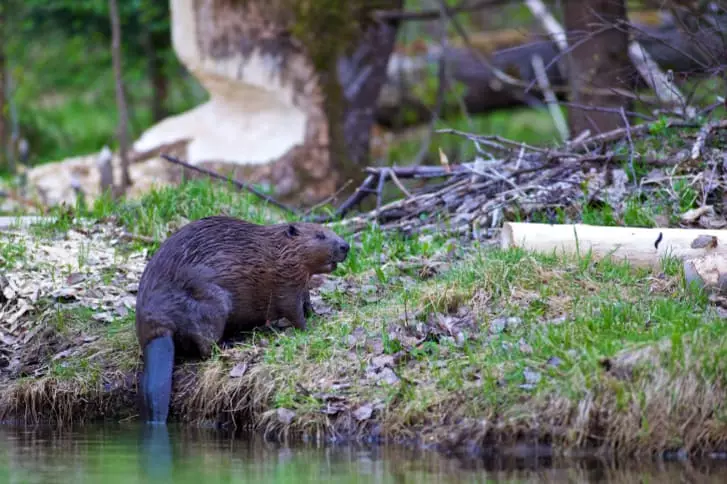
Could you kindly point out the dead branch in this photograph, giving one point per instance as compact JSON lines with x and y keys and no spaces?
{"x":550,"y":99}
{"x":698,"y":146}
{"x":441,"y":81}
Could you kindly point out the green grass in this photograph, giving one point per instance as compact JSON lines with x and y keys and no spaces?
{"x":65,"y":95}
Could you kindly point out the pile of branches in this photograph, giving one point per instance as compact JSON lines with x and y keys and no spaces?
{"x":513,"y":180}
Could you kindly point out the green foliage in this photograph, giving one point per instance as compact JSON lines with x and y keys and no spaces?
{"x":59,"y":58}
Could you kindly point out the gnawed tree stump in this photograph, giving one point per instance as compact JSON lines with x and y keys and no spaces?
{"x":293,"y":86}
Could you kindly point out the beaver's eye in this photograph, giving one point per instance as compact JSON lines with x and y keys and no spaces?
{"x":320,"y":236}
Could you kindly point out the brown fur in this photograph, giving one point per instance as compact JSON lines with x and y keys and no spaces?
{"x":219,"y":275}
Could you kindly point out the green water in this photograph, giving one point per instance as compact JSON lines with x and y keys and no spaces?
{"x":136,"y":454}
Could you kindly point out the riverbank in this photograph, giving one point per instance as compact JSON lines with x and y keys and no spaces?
{"x":428,"y":340}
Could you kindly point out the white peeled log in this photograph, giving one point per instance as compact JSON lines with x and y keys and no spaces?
{"x":703,"y":252}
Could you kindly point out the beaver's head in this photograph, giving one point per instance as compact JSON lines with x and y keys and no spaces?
{"x":320,"y":248}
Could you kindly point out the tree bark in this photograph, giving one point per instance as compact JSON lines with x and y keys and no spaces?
{"x":4,"y":158}
{"x":597,"y":60}
{"x":154,"y":45}
{"x":123,"y":127}
{"x":293,"y":89}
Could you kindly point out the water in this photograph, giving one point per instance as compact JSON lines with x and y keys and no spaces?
{"x":140,"y":454}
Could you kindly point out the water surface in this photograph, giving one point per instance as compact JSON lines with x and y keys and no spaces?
{"x":141,"y":454}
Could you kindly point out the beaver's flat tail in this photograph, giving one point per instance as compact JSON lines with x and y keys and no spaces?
{"x":157,"y":378}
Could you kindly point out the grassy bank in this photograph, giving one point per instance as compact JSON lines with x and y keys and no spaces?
{"x":445,"y":342}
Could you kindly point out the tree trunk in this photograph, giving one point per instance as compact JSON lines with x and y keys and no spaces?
{"x":293,"y":88}
{"x":153,"y":46}
{"x":4,"y":125}
{"x":601,"y":61}
{"x":120,"y":98}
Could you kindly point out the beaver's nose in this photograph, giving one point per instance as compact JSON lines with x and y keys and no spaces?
{"x":344,"y":247}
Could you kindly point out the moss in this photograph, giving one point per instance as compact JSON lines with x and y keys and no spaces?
{"x":328,"y":27}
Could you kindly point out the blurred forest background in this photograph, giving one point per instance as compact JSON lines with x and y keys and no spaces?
{"x":59,"y":82}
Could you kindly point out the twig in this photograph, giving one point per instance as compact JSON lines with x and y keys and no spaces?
{"x":240,"y":185}
{"x":550,"y":99}
{"x":702,"y":137}
{"x":137,"y":238}
{"x":327,"y":199}
{"x":356,"y":197}
{"x":412,"y":171}
{"x":605,"y":110}
{"x":487,"y":139}
{"x":551,"y":25}
{"x":631,"y":143}
{"x":619,"y":133}
{"x":441,"y":80}
{"x":379,"y":191}
{"x":398,"y":183}
{"x":666,"y":91}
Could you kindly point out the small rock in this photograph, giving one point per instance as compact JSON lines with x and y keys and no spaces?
{"x":121,"y":310}
{"x":363,"y":412}
{"x":384,"y":374}
{"x":691,"y":275}
{"x":525,"y":347}
{"x":133,"y":287}
{"x":554,"y":361}
{"x":502,"y":324}
{"x":531,"y":377}
{"x":704,"y":241}
{"x":105,"y":317}
{"x":382,"y":361}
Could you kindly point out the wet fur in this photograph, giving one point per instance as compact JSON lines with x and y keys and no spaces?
{"x":219,"y":275}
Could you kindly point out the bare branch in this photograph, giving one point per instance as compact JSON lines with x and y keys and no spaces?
{"x":240,"y":185}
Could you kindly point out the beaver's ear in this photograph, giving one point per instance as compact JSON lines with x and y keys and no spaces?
{"x":292,"y":230}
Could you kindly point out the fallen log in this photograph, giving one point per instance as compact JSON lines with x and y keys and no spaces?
{"x":397,"y":108}
{"x":703,"y":252}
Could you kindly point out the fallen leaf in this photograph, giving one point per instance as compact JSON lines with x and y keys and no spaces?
{"x":444,"y":160}
{"x":690,"y":216}
{"x":238,"y":370}
{"x":75,"y":278}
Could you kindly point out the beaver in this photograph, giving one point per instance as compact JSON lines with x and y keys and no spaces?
{"x":220,"y":275}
